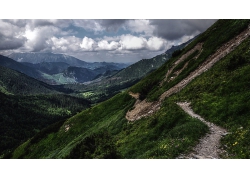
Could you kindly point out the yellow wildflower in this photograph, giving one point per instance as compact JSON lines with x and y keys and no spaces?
{"x":235,"y":143}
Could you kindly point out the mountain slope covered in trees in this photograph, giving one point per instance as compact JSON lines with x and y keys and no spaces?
{"x":14,"y":82}
{"x":10,"y":63}
{"x":28,"y":105}
{"x":23,"y":116}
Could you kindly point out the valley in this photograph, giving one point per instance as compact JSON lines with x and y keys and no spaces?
{"x":96,"y":81}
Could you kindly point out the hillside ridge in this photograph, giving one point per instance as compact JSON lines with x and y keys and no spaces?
{"x":144,"y":108}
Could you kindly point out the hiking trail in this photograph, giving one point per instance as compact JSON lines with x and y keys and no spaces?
{"x":209,"y":145}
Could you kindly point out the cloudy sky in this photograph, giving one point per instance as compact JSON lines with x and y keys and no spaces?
{"x":116,"y":40}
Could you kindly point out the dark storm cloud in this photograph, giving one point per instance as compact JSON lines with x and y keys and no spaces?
{"x":112,"y":25}
{"x":171,"y":29}
{"x":16,"y":22}
{"x":36,"y":23}
{"x":39,"y":46}
{"x":42,"y":22}
{"x":10,"y":43}
{"x":60,"y":23}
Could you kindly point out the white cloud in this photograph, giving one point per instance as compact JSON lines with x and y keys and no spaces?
{"x":87,"y":44}
{"x":156,"y":44}
{"x":108,"y":38}
{"x":130,"y":42}
{"x":37,"y":38}
{"x":64,"y":44}
{"x":121,"y":44}
{"x":31,"y":35}
{"x":105,"y":45}
{"x":124,"y":44}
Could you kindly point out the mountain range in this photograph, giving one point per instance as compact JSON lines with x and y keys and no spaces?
{"x":36,"y":58}
{"x":53,"y":68}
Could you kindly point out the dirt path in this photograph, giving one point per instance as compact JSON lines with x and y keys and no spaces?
{"x":182,"y":58}
{"x":208,"y":148}
{"x":144,"y":108}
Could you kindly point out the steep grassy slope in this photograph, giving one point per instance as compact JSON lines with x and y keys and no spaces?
{"x":220,"y":94}
{"x":164,"y":135}
{"x":145,"y":66}
{"x":219,"y":33}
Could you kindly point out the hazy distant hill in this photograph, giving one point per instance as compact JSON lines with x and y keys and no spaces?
{"x":36,"y":58}
{"x":53,"y":68}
